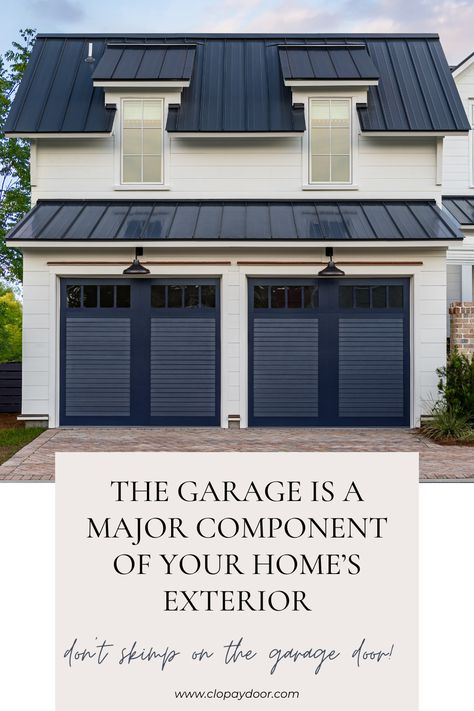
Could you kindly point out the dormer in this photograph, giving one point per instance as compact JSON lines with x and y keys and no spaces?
{"x":312,"y":67}
{"x":331,"y":81}
{"x":150,"y":65}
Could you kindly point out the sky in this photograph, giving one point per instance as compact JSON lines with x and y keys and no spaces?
{"x":452,"y":19}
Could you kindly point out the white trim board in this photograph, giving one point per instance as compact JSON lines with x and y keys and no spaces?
{"x":192,"y":244}
{"x":59,"y":134}
{"x":141,"y":84}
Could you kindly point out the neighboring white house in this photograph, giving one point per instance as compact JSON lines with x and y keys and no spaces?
{"x":231,"y":167}
{"x":458,"y":190}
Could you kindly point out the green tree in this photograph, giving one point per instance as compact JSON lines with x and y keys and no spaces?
{"x":10,"y":326}
{"x":14,"y":156}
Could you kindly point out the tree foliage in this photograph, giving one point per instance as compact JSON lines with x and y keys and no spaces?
{"x":14,"y":156}
{"x":10,"y":326}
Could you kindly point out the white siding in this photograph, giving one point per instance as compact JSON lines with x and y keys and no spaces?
{"x":41,"y":342}
{"x":36,"y":336}
{"x":236,"y":168}
{"x":457,"y":176}
{"x":458,"y":180}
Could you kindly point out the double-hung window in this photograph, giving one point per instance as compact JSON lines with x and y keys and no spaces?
{"x":330,"y":141}
{"x":142,"y":141}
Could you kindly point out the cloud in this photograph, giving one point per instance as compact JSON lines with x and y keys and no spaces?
{"x":61,"y":10}
{"x":452,"y":19}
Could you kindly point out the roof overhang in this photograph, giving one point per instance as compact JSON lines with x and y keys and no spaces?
{"x":413,"y":134}
{"x":60,"y":134}
{"x":237,"y":222}
{"x":234,"y":134}
{"x":267,"y":244}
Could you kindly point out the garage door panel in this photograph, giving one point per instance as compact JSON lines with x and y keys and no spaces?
{"x":97,"y":366}
{"x":285,"y":369}
{"x":371,"y":367}
{"x":157,"y":365}
{"x":357,"y":371}
{"x":183,"y":373}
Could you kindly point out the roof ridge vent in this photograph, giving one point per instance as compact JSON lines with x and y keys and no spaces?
{"x":90,"y":57}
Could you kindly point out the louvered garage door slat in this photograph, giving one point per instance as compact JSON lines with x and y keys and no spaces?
{"x":371,"y":367}
{"x":285,"y":367}
{"x":97,"y":367}
{"x":183,"y":367}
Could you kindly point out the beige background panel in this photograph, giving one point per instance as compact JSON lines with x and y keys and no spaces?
{"x":379,"y":604}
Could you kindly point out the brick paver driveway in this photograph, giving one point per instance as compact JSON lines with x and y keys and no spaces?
{"x":36,"y":460}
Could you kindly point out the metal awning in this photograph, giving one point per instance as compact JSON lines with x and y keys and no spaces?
{"x":461,"y":208}
{"x":145,"y":62}
{"x":141,"y":220}
{"x":326,"y":62}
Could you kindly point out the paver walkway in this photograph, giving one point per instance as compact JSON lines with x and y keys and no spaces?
{"x":35,"y":462}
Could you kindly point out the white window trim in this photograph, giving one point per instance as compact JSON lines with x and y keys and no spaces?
{"x":306,"y":145}
{"x":118,"y":154}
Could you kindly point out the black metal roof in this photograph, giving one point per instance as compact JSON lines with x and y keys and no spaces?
{"x":145,"y":62}
{"x":327,"y":62}
{"x":141,"y":220}
{"x":237,"y":85}
{"x":461,"y":208}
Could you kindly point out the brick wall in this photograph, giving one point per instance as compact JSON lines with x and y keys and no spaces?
{"x":462,"y":326}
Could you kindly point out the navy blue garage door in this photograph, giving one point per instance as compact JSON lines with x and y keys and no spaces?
{"x":329,"y":352}
{"x":140,"y":352}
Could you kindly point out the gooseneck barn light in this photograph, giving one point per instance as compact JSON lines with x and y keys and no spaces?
{"x":331,"y":270}
{"x":136,"y":268}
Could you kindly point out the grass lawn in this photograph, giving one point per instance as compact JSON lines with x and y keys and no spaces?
{"x":11,"y":440}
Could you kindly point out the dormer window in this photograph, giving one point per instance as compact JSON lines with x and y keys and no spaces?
{"x":142,"y":141}
{"x":330,"y":141}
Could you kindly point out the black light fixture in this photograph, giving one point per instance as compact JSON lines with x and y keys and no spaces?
{"x":331,"y":270}
{"x":136,"y":268}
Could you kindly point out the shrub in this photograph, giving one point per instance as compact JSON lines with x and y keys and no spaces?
{"x":448,"y":424}
{"x":456,"y":386}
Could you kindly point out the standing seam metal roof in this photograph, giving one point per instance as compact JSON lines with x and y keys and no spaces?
{"x":146,"y":62}
{"x":327,"y":62}
{"x":461,"y":208}
{"x":237,"y":85}
{"x":141,"y":220}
